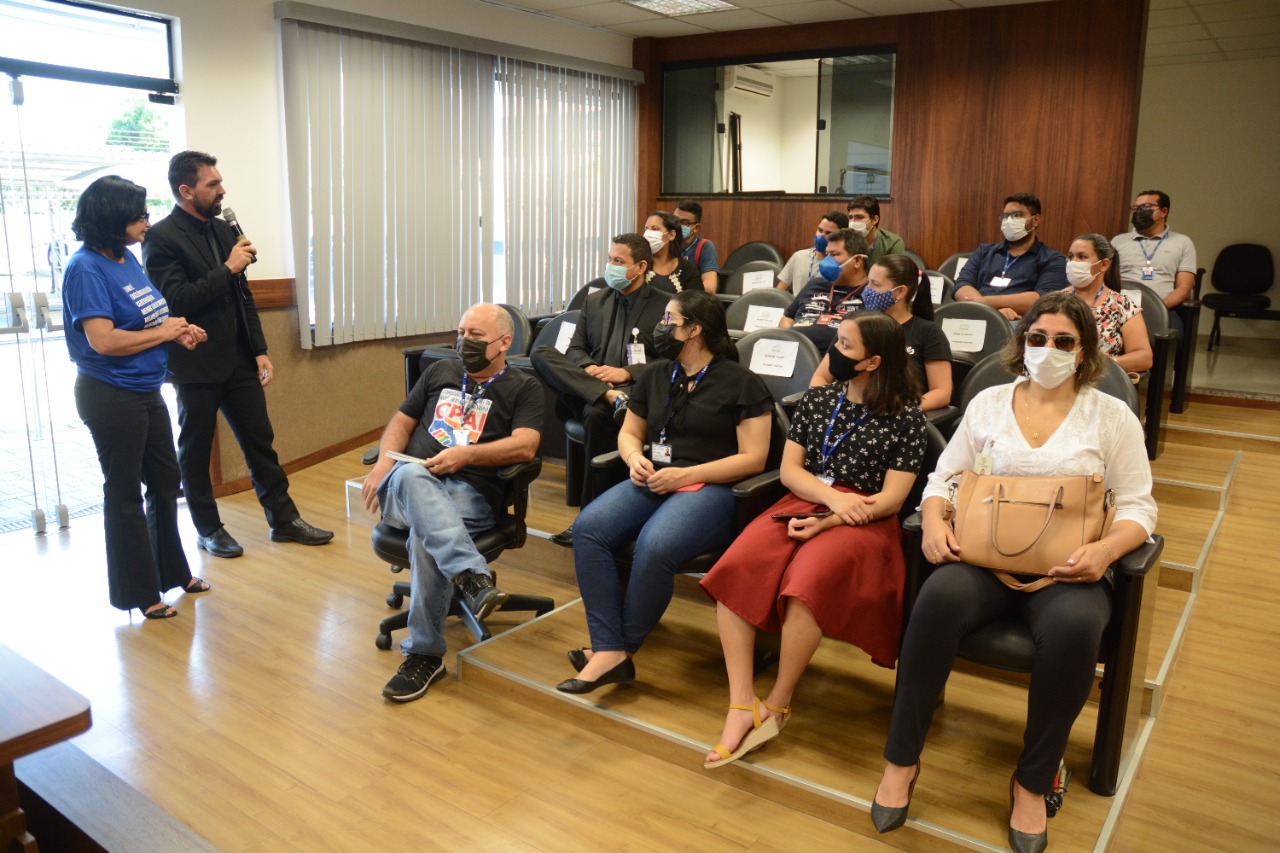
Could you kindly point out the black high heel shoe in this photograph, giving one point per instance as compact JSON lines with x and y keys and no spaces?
{"x":1024,"y":842}
{"x":620,"y":674}
{"x":886,"y":818}
{"x":578,"y":659}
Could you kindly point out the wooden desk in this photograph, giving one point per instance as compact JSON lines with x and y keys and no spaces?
{"x":36,"y":710}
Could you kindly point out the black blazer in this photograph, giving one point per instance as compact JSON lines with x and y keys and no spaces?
{"x":200,"y":288}
{"x":592,"y":332}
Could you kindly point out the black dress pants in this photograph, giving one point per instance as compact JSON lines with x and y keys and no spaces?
{"x":134,"y":441}
{"x":582,"y":395}
{"x":1066,"y":622}
{"x":243,"y":403}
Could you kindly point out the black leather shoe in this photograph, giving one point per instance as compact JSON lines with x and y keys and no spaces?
{"x":1025,"y":842}
{"x":886,"y":818}
{"x":564,"y":538}
{"x":220,"y":544}
{"x":578,"y":659}
{"x":620,"y":404}
{"x":620,"y":674}
{"x":301,"y":532}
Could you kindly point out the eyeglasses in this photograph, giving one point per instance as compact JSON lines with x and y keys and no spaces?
{"x":1064,"y":342}
{"x":146,"y":217}
{"x":1138,"y":207}
{"x":669,"y":319}
{"x":1013,"y":214}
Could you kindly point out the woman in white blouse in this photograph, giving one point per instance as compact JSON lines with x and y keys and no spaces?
{"x":1052,"y":423}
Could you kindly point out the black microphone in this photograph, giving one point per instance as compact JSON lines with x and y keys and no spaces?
{"x":229,"y":216}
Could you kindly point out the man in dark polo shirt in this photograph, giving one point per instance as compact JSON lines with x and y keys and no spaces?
{"x":835,"y":292}
{"x":1011,"y":275}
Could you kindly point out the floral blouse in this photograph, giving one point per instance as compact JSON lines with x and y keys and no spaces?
{"x":1112,"y":311}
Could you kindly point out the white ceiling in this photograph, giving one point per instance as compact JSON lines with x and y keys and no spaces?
{"x":1179,"y":31}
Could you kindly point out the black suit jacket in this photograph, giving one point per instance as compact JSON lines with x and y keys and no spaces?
{"x":199,"y":287}
{"x":592,"y":331}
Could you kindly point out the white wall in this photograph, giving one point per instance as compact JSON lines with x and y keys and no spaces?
{"x":230,"y":82}
{"x":1207,"y":136}
{"x":799,"y":133}
{"x":761,"y":138}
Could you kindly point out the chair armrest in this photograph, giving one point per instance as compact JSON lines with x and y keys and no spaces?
{"x":606,"y":460}
{"x":757,"y":485}
{"x":527,"y":471}
{"x":913,"y":523}
{"x":792,"y":400}
{"x":1140,"y":560}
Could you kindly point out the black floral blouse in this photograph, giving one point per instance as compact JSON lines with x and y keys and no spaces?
{"x":878,"y":443}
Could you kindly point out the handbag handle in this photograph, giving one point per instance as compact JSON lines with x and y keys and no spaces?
{"x":995,"y":521}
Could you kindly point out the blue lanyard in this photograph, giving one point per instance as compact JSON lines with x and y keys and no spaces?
{"x":469,"y":403}
{"x":1142,"y":245}
{"x":1009,"y":260}
{"x":671,"y":391}
{"x":827,"y":447}
{"x":1096,"y":297}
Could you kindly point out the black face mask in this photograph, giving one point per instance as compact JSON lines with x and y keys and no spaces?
{"x":1143,"y":219}
{"x":665,"y":343}
{"x":841,"y":366}
{"x":474,"y":354}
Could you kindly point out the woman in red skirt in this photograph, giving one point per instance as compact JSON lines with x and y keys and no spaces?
{"x":835,"y":566}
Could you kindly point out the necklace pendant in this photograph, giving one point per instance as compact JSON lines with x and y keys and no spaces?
{"x":1035,"y":436}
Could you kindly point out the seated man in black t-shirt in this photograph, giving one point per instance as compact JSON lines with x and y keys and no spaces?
{"x":466,"y":421}
{"x":835,"y":292}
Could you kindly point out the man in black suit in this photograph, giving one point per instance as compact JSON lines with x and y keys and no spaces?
{"x":611,"y":345}
{"x":198,"y":263}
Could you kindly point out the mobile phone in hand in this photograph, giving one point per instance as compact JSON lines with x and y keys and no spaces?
{"x":787,"y":516}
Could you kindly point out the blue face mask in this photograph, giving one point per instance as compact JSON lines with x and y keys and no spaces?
{"x":876,"y":300}
{"x":819,"y":243}
{"x":686,"y":231}
{"x":829,"y":269}
{"x":616,"y":277}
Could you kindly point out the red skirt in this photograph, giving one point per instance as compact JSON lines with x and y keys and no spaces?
{"x":850,"y":577}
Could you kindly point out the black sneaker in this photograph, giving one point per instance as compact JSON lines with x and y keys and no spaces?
{"x":413,"y":678}
{"x":481,"y":595}
{"x":620,"y":403}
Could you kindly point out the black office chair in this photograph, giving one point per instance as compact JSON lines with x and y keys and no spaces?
{"x":1007,"y":644}
{"x":1242,"y":274}
{"x":580,"y":298}
{"x":1164,"y":344}
{"x":559,"y":418}
{"x":756,"y":250}
{"x":738,"y":311}
{"x":731,"y":285}
{"x":948,"y":267}
{"x":391,"y":546}
{"x":997,"y":330}
{"x":941,"y":288}
{"x":919,"y":261}
{"x":1185,"y":359}
{"x":807,"y":360}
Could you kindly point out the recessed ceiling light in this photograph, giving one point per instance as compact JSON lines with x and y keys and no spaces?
{"x":676,"y":8}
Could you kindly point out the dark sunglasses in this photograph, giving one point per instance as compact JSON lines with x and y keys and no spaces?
{"x":1064,"y":342}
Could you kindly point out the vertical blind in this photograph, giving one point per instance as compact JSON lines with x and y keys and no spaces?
{"x":425,"y":178}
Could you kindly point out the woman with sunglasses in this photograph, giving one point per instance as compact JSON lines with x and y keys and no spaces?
{"x":1052,"y":422}
{"x":698,"y":421}
{"x":827,"y":558}
{"x":1094,"y":274}
{"x":894,"y":287}
{"x":669,"y":271}
{"x":118,"y":325}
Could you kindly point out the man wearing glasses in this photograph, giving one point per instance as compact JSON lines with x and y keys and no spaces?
{"x":1151,"y":254}
{"x":1011,"y":275}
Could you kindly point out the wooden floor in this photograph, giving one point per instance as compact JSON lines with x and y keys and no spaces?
{"x":255,"y":716}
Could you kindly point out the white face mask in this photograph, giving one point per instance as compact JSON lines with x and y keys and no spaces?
{"x":1049,"y":367}
{"x":859,"y":226}
{"x":1014,"y":228}
{"x":655,"y":239}
{"x":1080,"y":273}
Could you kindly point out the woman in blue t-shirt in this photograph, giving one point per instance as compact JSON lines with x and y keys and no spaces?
{"x":117,"y":331}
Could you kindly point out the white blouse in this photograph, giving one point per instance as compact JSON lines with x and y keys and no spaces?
{"x":1099,"y":435}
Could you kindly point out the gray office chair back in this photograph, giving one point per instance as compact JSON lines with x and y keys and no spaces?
{"x":580,"y":298}
{"x":522,"y":330}
{"x":807,"y":359}
{"x":940,"y":287}
{"x":733,"y":285}
{"x":1154,"y":311}
{"x":949,"y":265}
{"x":913,"y":256}
{"x":756,"y":250}
{"x":736,"y":313}
{"x":996,"y":332}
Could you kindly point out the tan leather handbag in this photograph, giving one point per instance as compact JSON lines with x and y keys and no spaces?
{"x":1028,"y":525}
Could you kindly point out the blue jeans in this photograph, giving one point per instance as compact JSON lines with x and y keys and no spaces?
{"x":668,"y":531}
{"x":440,"y":515}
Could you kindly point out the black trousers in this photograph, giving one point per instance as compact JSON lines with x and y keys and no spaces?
{"x":134,"y":441}
{"x":582,"y":395}
{"x":1066,"y":622}
{"x":243,"y":403}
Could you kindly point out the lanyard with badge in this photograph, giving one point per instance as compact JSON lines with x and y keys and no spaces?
{"x":661,"y":451}
{"x":635,"y":349}
{"x":828,"y":447}
{"x":462,"y":435}
{"x":1003,"y":280}
{"x":1148,"y":269}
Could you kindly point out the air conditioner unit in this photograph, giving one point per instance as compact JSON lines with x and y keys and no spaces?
{"x":746,"y":78}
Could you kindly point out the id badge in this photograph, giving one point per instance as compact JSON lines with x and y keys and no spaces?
{"x":660,"y":453}
{"x":829,"y":320}
{"x":635,"y":354}
{"x":461,"y":437}
{"x":826,"y":479}
{"x":982,"y":464}
{"x":1148,"y":273}
{"x":1000,"y":281}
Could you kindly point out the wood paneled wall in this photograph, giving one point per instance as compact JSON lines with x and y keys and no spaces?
{"x":1041,"y":97}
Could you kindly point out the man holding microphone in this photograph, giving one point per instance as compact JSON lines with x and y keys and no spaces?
{"x":198,"y":262}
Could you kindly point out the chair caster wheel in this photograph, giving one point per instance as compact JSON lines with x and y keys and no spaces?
{"x":395,"y":601}
{"x":383,"y":641}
